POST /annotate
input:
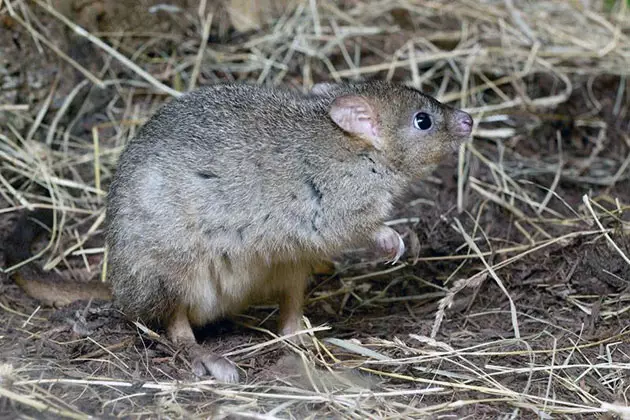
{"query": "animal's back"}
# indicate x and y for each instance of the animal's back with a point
(214, 176)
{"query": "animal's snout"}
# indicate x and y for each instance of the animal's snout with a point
(463, 123)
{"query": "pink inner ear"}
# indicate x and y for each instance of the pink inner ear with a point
(355, 115)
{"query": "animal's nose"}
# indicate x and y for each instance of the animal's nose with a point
(463, 123)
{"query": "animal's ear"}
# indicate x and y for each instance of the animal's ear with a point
(355, 115)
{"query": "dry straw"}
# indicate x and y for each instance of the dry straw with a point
(511, 64)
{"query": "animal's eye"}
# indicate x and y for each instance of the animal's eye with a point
(422, 121)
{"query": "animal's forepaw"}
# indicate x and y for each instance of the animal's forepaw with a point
(221, 368)
(389, 242)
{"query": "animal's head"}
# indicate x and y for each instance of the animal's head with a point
(413, 130)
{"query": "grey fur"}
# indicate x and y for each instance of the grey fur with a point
(239, 181)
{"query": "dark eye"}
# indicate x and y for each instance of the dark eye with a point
(422, 121)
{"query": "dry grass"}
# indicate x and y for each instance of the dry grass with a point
(513, 301)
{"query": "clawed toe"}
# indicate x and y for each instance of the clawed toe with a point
(399, 251)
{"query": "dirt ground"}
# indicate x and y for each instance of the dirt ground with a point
(513, 300)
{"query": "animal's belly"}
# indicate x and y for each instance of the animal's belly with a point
(223, 287)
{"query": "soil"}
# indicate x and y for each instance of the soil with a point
(572, 291)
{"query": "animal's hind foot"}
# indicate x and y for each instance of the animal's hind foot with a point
(223, 370)
(203, 361)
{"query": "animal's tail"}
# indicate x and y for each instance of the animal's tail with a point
(47, 287)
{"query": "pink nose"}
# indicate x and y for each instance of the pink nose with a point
(463, 123)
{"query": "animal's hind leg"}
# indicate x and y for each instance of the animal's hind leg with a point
(203, 361)
(292, 279)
